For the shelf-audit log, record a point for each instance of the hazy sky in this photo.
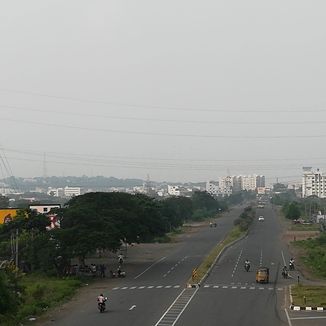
(181, 90)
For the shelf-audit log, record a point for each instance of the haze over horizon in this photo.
(180, 90)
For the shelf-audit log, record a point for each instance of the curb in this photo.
(297, 308)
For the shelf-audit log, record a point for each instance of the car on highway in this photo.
(262, 275)
(261, 218)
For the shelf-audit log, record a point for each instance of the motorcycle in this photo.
(121, 274)
(101, 305)
(291, 266)
(247, 267)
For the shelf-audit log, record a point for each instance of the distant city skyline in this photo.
(184, 91)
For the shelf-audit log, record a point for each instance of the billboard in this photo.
(7, 214)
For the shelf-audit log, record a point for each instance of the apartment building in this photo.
(212, 187)
(225, 185)
(249, 182)
(313, 183)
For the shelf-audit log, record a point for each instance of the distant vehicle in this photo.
(262, 275)
(261, 218)
(260, 206)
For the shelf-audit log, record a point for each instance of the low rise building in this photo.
(44, 208)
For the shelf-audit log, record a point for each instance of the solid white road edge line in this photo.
(149, 268)
(288, 317)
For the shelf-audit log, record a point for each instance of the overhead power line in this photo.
(178, 121)
(261, 109)
(97, 129)
(188, 159)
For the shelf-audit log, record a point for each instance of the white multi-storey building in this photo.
(225, 185)
(56, 192)
(212, 187)
(313, 183)
(72, 191)
(174, 190)
(248, 182)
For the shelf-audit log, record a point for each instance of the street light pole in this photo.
(17, 248)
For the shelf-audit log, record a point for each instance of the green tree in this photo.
(292, 211)
(9, 301)
(176, 210)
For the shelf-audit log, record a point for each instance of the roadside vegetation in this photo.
(300, 211)
(89, 223)
(305, 295)
(314, 254)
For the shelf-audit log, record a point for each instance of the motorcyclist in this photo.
(101, 299)
(247, 264)
(285, 271)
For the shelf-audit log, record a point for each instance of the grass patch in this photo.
(42, 292)
(315, 254)
(303, 227)
(306, 295)
(234, 234)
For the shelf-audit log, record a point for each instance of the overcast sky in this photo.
(181, 90)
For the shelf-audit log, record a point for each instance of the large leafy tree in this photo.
(292, 210)
(176, 210)
(101, 220)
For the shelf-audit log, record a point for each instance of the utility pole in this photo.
(17, 249)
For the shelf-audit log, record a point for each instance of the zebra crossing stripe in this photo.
(233, 287)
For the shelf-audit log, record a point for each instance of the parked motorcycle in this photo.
(117, 274)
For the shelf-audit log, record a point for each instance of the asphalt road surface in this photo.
(155, 294)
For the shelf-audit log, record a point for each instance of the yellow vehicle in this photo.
(262, 275)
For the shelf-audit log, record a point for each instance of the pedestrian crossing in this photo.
(250, 287)
(142, 287)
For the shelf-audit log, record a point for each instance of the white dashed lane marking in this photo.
(175, 266)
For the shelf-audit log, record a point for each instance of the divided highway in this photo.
(155, 295)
